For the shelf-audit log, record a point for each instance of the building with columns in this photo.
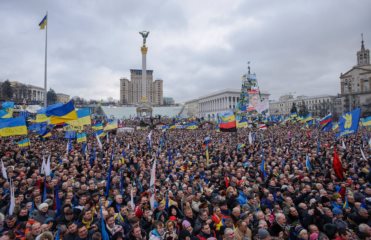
(26, 93)
(209, 106)
(319, 105)
(355, 84)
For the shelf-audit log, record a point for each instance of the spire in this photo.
(248, 67)
(362, 43)
(363, 55)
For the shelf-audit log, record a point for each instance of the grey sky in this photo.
(196, 47)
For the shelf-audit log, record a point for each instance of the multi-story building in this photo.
(316, 105)
(63, 98)
(131, 90)
(355, 84)
(26, 93)
(168, 101)
(210, 105)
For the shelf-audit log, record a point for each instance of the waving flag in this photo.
(105, 235)
(307, 164)
(13, 127)
(61, 114)
(81, 137)
(152, 186)
(3, 170)
(336, 164)
(12, 198)
(227, 122)
(326, 120)
(348, 123)
(6, 110)
(111, 125)
(24, 143)
(43, 22)
(366, 122)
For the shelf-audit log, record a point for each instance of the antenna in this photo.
(248, 67)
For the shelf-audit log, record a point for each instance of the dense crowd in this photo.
(230, 196)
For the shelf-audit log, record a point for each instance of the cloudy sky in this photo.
(196, 47)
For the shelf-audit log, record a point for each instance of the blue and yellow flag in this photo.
(100, 133)
(6, 110)
(81, 137)
(62, 114)
(24, 143)
(111, 125)
(191, 126)
(13, 127)
(348, 123)
(43, 22)
(97, 126)
(83, 119)
(366, 122)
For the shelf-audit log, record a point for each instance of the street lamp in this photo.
(347, 82)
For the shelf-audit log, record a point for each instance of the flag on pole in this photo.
(152, 185)
(61, 114)
(363, 155)
(43, 22)
(250, 138)
(12, 199)
(336, 164)
(108, 184)
(3, 170)
(69, 146)
(105, 235)
(47, 168)
(99, 142)
(13, 127)
(132, 199)
(24, 143)
(348, 122)
(227, 122)
(307, 164)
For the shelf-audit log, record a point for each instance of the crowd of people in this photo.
(248, 186)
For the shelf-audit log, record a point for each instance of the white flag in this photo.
(132, 199)
(152, 186)
(250, 138)
(43, 165)
(99, 143)
(149, 137)
(47, 167)
(343, 145)
(363, 155)
(3, 170)
(12, 199)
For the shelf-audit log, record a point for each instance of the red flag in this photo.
(336, 164)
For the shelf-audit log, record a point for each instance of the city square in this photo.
(169, 120)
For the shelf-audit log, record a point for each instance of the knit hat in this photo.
(337, 211)
(263, 233)
(186, 224)
(42, 205)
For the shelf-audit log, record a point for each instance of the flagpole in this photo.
(46, 58)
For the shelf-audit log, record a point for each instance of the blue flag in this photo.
(307, 164)
(108, 184)
(103, 225)
(348, 123)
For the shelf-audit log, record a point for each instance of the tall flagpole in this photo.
(46, 58)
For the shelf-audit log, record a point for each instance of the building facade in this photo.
(131, 90)
(26, 93)
(355, 84)
(316, 105)
(210, 105)
(63, 98)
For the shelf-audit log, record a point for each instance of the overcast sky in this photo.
(197, 47)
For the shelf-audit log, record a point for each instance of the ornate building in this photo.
(356, 84)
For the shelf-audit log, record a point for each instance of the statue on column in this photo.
(144, 35)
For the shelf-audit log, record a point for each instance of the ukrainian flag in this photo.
(24, 143)
(97, 126)
(81, 137)
(43, 22)
(7, 110)
(13, 127)
(100, 133)
(191, 126)
(307, 118)
(111, 125)
(83, 118)
(62, 113)
(366, 122)
(46, 134)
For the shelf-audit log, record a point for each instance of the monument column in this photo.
(144, 49)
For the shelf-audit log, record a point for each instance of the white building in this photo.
(317, 105)
(356, 84)
(210, 105)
